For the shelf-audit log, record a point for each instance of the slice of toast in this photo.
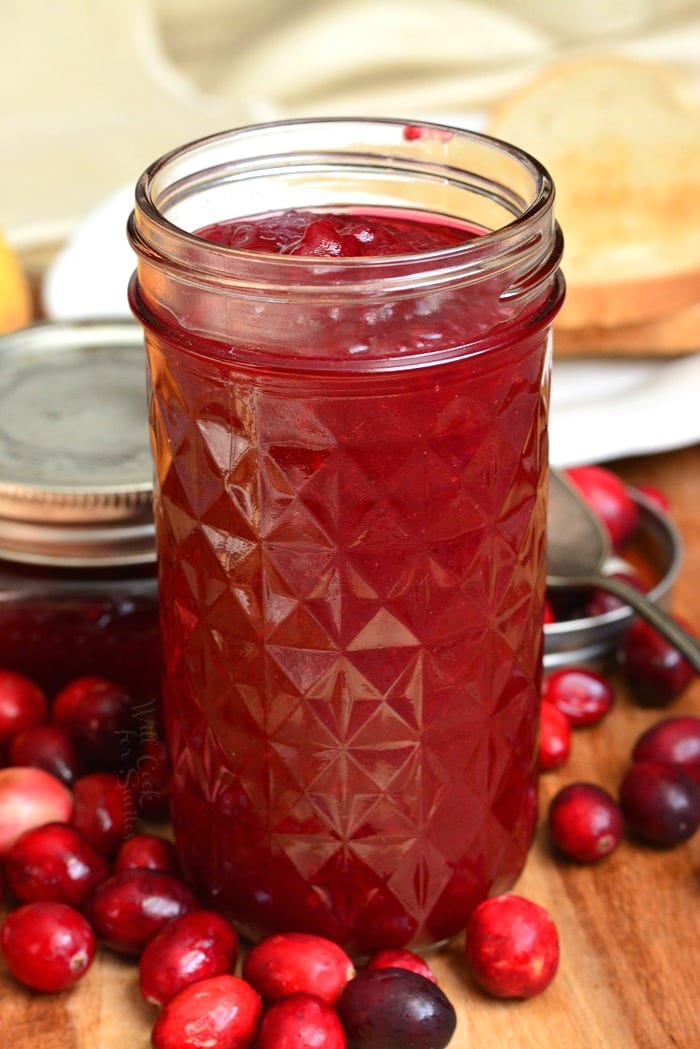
(621, 139)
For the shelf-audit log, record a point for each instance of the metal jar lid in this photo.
(76, 479)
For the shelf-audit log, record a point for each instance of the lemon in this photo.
(15, 295)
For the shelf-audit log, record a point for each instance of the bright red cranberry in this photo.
(654, 670)
(555, 737)
(549, 616)
(583, 696)
(54, 862)
(104, 726)
(673, 741)
(48, 747)
(103, 810)
(149, 780)
(512, 947)
(28, 798)
(610, 498)
(660, 803)
(222, 1012)
(585, 823)
(129, 908)
(293, 962)
(395, 958)
(301, 1021)
(599, 602)
(47, 946)
(147, 851)
(656, 497)
(395, 1009)
(193, 947)
(22, 703)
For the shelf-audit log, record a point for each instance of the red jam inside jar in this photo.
(351, 514)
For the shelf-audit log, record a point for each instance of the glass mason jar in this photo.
(351, 461)
(78, 586)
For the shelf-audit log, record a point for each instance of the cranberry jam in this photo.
(78, 589)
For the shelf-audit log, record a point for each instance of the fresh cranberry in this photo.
(301, 1021)
(585, 823)
(103, 810)
(222, 1012)
(66, 702)
(104, 726)
(149, 779)
(293, 962)
(599, 602)
(394, 958)
(583, 696)
(673, 741)
(660, 803)
(549, 616)
(147, 851)
(129, 908)
(193, 947)
(28, 798)
(22, 703)
(54, 862)
(395, 1009)
(555, 737)
(655, 496)
(610, 498)
(47, 946)
(512, 947)
(48, 747)
(654, 670)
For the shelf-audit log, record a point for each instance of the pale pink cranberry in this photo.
(47, 946)
(188, 949)
(293, 962)
(512, 947)
(222, 1012)
(28, 798)
(22, 703)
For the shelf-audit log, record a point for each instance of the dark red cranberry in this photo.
(583, 696)
(149, 780)
(103, 810)
(22, 703)
(147, 851)
(585, 822)
(660, 803)
(654, 670)
(292, 962)
(49, 747)
(54, 862)
(395, 1009)
(104, 726)
(610, 498)
(65, 703)
(599, 602)
(395, 958)
(193, 947)
(555, 737)
(512, 947)
(47, 946)
(129, 908)
(673, 741)
(222, 1012)
(300, 1022)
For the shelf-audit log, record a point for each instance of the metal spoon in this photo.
(577, 548)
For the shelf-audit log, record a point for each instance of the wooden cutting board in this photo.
(629, 927)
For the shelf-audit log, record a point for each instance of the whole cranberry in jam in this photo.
(22, 703)
(47, 946)
(512, 947)
(654, 670)
(585, 822)
(660, 803)
(610, 498)
(582, 695)
(673, 741)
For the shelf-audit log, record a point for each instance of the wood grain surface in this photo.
(629, 927)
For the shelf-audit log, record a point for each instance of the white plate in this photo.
(601, 409)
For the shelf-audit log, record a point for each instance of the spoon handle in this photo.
(686, 644)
